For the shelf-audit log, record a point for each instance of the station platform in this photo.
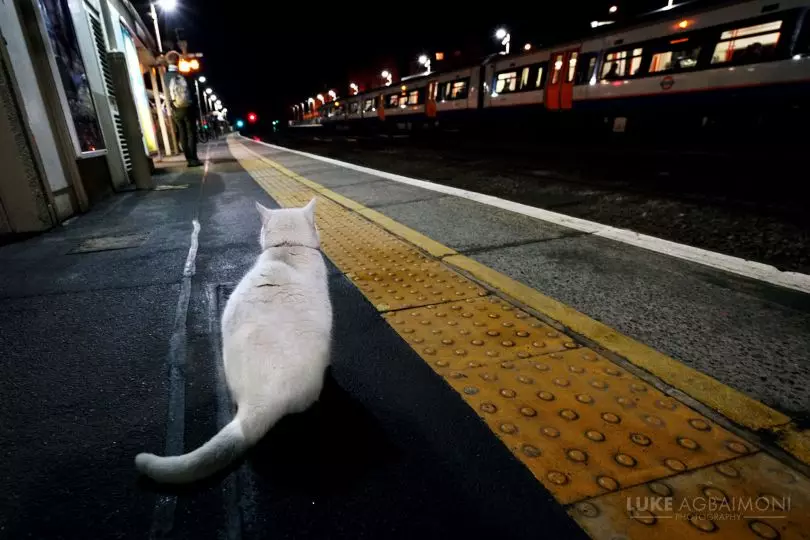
(494, 374)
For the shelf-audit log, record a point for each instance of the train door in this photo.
(559, 93)
(430, 102)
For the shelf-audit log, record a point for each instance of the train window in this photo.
(683, 56)
(635, 61)
(538, 80)
(524, 78)
(393, 100)
(747, 45)
(572, 67)
(585, 68)
(368, 105)
(459, 90)
(616, 65)
(506, 82)
(413, 97)
(354, 107)
(555, 72)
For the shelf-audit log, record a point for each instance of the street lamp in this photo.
(320, 98)
(505, 38)
(208, 91)
(202, 79)
(354, 88)
(527, 47)
(387, 76)
(425, 61)
(613, 9)
(332, 94)
(165, 6)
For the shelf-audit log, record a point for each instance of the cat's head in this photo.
(289, 227)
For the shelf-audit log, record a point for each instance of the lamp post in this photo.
(165, 5)
(505, 37)
(425, 61)
(387, 76)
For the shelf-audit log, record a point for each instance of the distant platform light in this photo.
(439, 56)
(527, 47)
(252, 117)
(613, 9)
(683, 24)
(202, 79)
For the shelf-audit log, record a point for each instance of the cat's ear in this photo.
(309, 210)
(265, 213)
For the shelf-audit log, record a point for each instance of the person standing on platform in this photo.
(183, 110)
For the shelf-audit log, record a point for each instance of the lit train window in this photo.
(751, 30)
(758, 43)
(555, 73)
(413, 97)
(393, 100)
(368, 105)
(684, 56)
(354, 108)
(572, 66)
(538, 82)
(524, 78)
(506, 82)
(459, 90)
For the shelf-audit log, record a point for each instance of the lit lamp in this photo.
(425, 61)
(165, 6)
(505, 38)
(387, 76)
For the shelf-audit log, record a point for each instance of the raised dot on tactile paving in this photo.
(539, 344)
(611, 418)
(429, 350)
(545, 396)
(460, 352)
(561, 382)
(493, 354)
(442, 363)
(640, 439)
(576, 455)
(645, 517)
(457, 375)
(493, 333)
(715, 493)
(625, 402)
(700, 424)
(575, 369)
(508, 392)
(507, 324)
(635, 387)
(524, 379)
(447, 341)
(687, 443)
(528, 411)
(589, 357)
(701, 523)
(675, 464)
(659, 488)
(556, 477)
(727, 470)
(763, 530)
(470, 390)
(508, 365)
(608, 483)
(530, 451)
(568, 414)
(550, 432)
(508, 428)
(584, 398)
(737, 447)
(599, 385)
(541, 367)
(570, 345)
(613, 372)
(587, 509)
(653, 420)
(522, 333)
(523, 354)
(666, 404)
(594, 435)
(625, 460)
(488, 407)
(477, 342)
(508, 343)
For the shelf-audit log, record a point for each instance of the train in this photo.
(726, 66)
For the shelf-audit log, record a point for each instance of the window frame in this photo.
(531, 85)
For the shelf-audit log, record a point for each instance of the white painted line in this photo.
(734, 265)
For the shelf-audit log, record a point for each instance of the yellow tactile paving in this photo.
(594, 434)
(582, 425)
(749, 498)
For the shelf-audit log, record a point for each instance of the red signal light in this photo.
(252, 118)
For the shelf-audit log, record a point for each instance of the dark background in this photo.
(265, 56)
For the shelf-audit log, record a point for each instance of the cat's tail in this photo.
(213, 456)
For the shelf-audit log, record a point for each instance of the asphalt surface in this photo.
(747, 334)
(111, 352)
(724, 195)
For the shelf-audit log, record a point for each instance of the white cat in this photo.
(276, 333)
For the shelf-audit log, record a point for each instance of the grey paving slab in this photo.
(385, 192)
(467, 225)
(336, 177)
(751, 336)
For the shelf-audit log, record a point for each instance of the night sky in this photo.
(258, 60)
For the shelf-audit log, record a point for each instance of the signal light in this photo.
(252, 118)
(240, 124)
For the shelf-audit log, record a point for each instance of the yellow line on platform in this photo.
(734, 405)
